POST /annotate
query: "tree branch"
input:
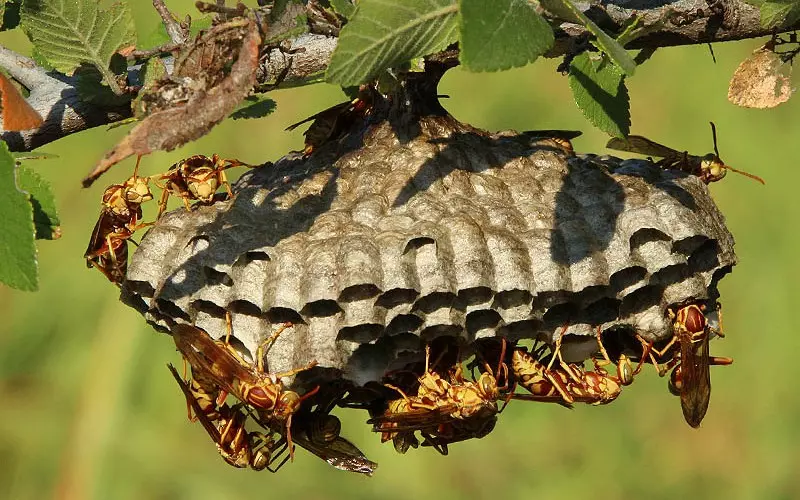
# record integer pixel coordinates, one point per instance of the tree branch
(178, 32)
(304, 59)
(56, 98)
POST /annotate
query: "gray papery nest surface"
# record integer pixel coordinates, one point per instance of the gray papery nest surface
(368, 249)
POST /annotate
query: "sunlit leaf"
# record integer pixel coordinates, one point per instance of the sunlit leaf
(501, 34)
(779, 13)
(18, 265)
(383, 34)
(70, 32)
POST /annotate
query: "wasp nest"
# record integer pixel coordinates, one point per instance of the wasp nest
(408, 230)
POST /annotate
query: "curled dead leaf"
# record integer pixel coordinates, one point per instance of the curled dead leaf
(198, 95)
(761, 81)
(17, 113)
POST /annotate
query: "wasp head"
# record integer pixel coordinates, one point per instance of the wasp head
(712, 168)
(288, 404)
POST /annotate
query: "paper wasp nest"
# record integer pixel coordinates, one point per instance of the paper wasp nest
(404, 231)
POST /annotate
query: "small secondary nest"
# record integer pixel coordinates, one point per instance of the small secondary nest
(408, 231)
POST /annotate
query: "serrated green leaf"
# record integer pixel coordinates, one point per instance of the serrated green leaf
(779, 13)
(45, 216)
(18, 266)
(344, 8)
(70, 32)
(501, 34)
(254, 108)
(383, 34)
(600, 93)
(604, 42)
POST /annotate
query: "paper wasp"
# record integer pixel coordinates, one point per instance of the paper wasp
(691, 377)
(570, 383)
(237, 447)
(709, 168)
(443, 410)
(119, 218)
(562, 138)
(252, 385)
(195, 178)
(334, 122)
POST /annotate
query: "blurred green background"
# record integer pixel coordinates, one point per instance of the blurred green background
(88, 410)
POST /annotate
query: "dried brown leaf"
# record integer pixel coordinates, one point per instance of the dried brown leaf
(17, 113)
(761, 81)
(187, 105)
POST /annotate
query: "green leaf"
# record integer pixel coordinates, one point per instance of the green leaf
(45, 216)
(779, 13)
(18, 268)
(383, 34)
(344, 8)
(70, 32)
(604, 42)
(600, 93)
(254, 108)
(501, 34)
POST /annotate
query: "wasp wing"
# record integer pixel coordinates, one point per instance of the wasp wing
(213, 360)
(210, 428)
(414, 419)
(641, 145)
(329, 113)
(696, 379)
(340, 453)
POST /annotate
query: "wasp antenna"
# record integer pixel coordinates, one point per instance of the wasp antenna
(746, 174)
(714, 136)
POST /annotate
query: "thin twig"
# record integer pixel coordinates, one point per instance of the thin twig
(163, 49)
(176, 31)
(220, 8)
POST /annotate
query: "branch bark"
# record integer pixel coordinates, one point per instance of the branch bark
(57, 100)
(305, 58)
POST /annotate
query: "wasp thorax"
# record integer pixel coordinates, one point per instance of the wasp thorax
(692, 318)
(260, 397)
